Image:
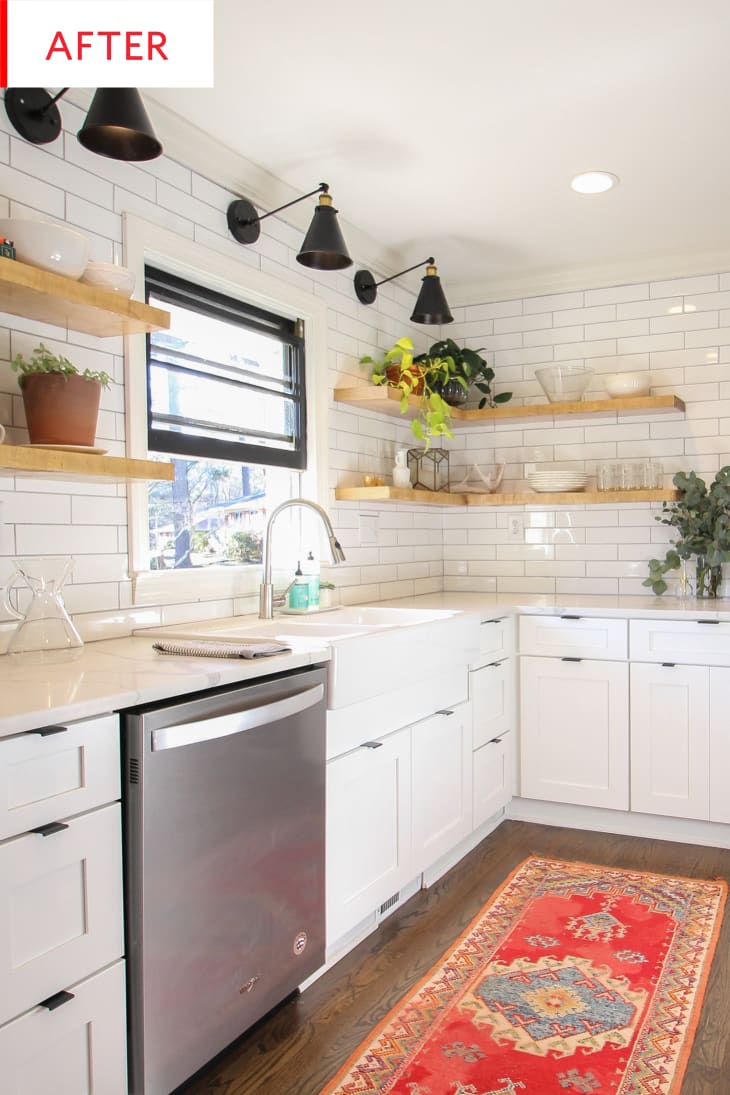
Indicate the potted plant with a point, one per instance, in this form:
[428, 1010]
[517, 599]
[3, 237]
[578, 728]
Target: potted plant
[423, 378]
[702, 518]
[470, 369]
[61, 404]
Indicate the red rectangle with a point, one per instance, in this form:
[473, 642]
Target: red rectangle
[3, 43]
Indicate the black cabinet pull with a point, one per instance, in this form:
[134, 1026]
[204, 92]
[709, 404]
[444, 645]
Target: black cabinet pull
[570, 617]
[57, 1000]
[51, 828]
[444, 711]
[669, 665]
[371, 745]
[708, 621]
[571, 659]
[46, 731]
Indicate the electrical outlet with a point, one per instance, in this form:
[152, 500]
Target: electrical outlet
[515, 528]
[369, 529]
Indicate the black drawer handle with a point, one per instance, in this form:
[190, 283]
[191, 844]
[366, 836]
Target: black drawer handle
[708, 621]
[498, 620]
[46, 731]
[57, 1000]
[571, 659]
[669, 665]
[570, 617]
[51, 828]
[444, 711]
[371, 745]
[495, 741]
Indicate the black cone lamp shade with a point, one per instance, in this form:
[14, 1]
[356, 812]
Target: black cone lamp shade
[324, 247]
[117, 125]
[431, 306]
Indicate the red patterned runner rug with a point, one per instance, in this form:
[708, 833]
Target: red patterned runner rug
[574, 979]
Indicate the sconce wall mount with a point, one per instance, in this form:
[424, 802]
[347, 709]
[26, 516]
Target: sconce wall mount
[116, 124]
[324, 247]
[431, 305]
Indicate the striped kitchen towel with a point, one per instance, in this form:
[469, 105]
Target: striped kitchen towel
[221, 648]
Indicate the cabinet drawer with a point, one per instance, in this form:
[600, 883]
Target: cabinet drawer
[493, 777]
[47, 775]
[60, 908]
[574, 637]
[688, 642]
[492, 691]
[496, 639]
[78, 1048]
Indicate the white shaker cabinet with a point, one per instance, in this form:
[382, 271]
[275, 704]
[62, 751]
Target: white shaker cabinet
[492, 690]
[670, 740]
[575, 731]
[720, 745]
[441, 769]
[62, 998]
[368, 829]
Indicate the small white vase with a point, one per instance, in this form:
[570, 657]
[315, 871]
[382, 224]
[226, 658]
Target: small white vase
[401, 471]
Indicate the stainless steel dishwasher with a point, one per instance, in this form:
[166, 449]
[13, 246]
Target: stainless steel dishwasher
[224, 866]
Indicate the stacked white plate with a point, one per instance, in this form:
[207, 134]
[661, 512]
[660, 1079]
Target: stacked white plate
[557, 481]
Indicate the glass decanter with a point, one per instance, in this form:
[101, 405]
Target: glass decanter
[45, 632]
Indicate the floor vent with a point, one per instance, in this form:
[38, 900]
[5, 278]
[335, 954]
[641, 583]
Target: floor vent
[133, 770]
[389, 903]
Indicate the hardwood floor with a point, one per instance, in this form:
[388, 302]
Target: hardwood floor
[297, 1048]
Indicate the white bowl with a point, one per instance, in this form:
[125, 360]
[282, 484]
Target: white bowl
[623, 384]
[563, 382]
[47, 245]
[109, 276]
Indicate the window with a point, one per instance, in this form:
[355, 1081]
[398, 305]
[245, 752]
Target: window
[225, 399]
[227, 380]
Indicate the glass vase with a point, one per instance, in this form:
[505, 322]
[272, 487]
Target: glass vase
[708, 578]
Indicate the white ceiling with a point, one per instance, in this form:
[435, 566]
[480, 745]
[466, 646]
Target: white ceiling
[454, 129]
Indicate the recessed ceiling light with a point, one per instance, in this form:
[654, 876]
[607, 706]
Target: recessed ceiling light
[594, 182]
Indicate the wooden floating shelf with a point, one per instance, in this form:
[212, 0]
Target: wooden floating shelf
[50, 298]
[523, 498]
[386, 400]
[28, 459]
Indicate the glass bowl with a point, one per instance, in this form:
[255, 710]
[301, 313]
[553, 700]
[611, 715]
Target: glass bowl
[564, 382]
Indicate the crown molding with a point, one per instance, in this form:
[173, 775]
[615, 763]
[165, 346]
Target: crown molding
[536, 283]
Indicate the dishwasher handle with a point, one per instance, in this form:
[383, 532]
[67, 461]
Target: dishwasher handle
[223, 726]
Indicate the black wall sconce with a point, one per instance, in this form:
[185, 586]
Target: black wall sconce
[116, 125]
[431, 305]
[323, 248]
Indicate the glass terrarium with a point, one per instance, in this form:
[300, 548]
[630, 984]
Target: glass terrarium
[429, 469]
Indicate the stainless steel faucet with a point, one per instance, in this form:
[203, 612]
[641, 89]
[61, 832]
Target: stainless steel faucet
[266, 592]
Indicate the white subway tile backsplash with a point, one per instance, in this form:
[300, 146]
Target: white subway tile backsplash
[709, 283]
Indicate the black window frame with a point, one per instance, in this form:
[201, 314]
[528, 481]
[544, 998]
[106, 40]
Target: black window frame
[170, 288]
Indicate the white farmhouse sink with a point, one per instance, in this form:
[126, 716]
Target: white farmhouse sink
[373, 650]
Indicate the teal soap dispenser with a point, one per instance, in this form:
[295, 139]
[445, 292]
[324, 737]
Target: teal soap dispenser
[299, 591]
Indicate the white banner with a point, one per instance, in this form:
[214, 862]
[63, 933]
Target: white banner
[106, 43]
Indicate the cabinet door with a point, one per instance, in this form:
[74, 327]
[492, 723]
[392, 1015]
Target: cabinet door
[60, 908]
[670, 740]
[77, 1048]
[492, 693]
[720, 745]
[57, 771]
[493, 777]
[442, 784]
[368, 829]
[575, 731]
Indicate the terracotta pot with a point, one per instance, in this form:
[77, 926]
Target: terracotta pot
[392, 372]
[61, 410]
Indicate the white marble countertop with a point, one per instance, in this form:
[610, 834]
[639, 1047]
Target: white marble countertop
[116, 673]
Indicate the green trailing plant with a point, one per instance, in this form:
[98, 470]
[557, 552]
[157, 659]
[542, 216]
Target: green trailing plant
[43, 361]
[423, 379]
[701, 516]
[469, 368]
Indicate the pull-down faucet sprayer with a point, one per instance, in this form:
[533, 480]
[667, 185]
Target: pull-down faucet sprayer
[266, 592]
